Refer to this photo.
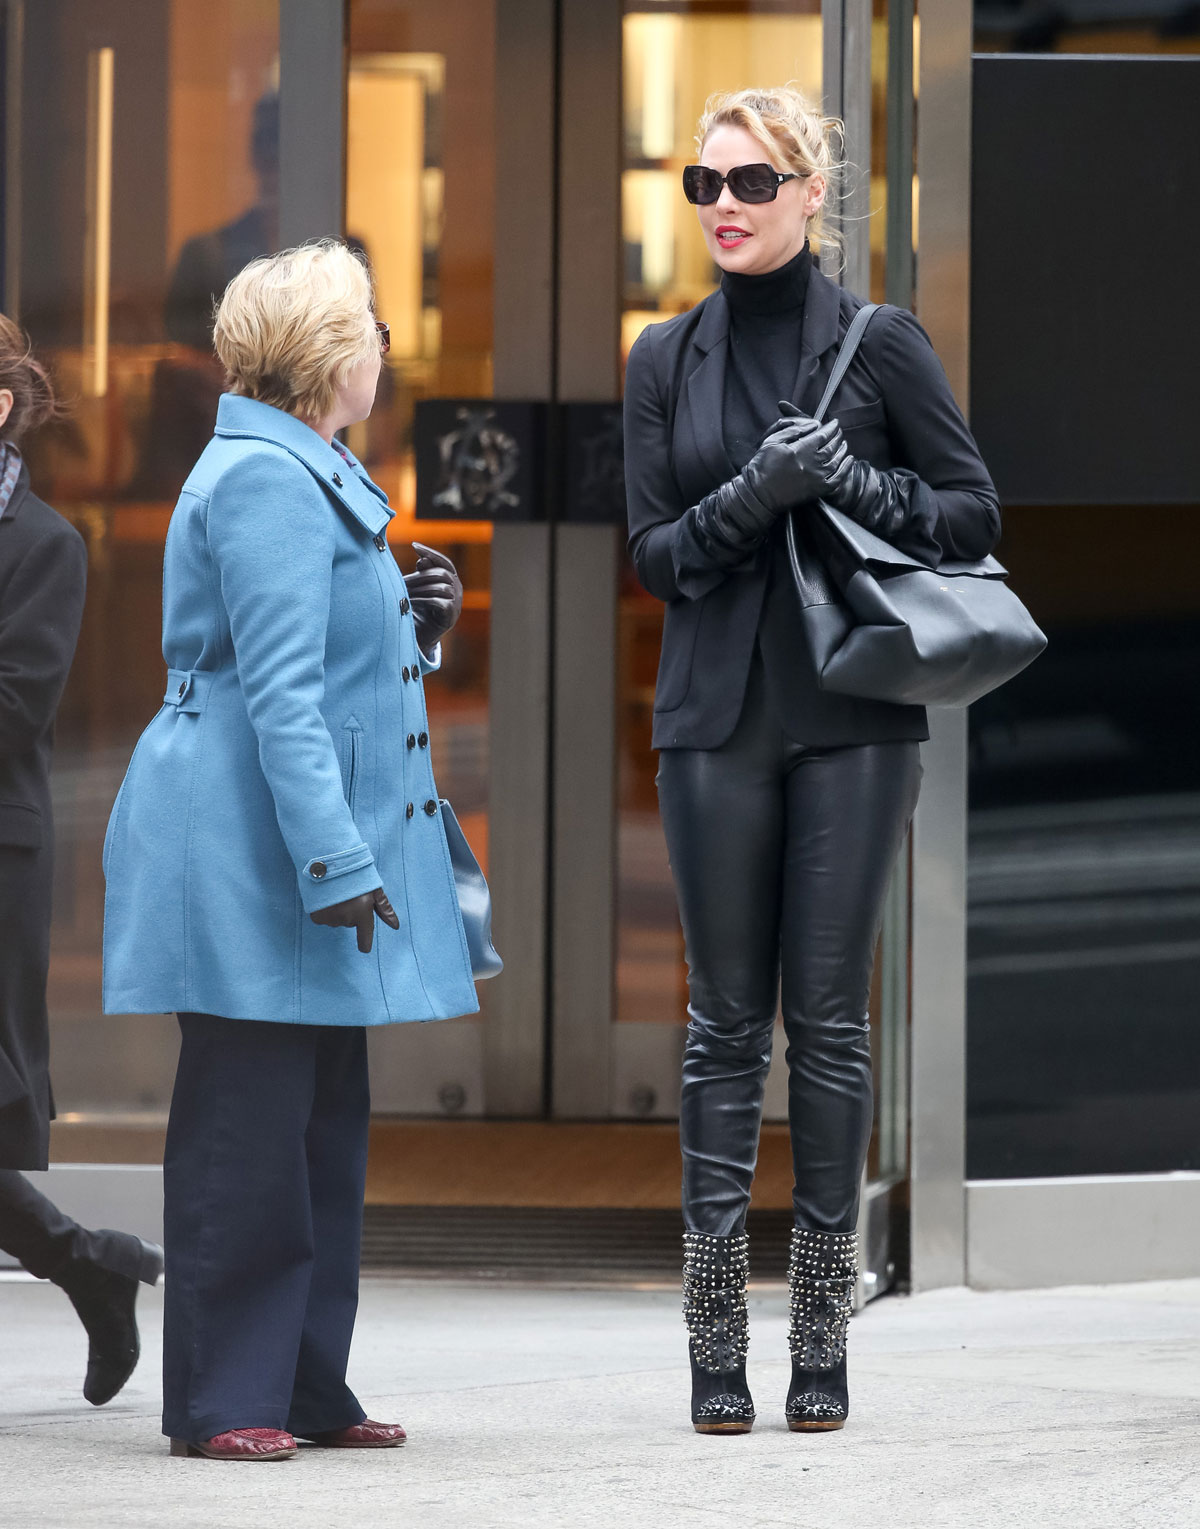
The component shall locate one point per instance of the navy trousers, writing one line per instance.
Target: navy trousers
(263, 1183)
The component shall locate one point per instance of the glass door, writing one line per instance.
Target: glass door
(160, 123)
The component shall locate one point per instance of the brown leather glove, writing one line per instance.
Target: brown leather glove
(359, 913)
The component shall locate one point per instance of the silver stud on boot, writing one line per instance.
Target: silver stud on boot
(715, 1270)
(821, 1279)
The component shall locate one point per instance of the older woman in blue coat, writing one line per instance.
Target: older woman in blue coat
(279, 804)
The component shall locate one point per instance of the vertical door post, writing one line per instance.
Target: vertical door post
(938, 1075)
(312, 119)
(514, 1031)
(587, 564)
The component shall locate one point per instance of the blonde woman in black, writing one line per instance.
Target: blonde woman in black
(784, 807)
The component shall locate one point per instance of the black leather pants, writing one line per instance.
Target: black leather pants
(781, 856)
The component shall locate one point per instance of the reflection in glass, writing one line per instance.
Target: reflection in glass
(165, 152)
(1083, 1047)
(420, 177)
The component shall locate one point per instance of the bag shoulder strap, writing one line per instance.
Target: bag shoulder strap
(841, 365)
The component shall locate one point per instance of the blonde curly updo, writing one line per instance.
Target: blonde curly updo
(795, 134)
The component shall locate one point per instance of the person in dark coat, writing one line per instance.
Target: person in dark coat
(42, 573)
(784, 807)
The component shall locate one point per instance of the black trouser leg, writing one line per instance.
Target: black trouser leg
(336, 1150)
(34, 1231)
(252, 1308)
(723, 817)
(46, 1242)
(847, 813)
(776, 846)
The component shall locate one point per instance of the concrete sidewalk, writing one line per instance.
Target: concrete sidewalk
(567, 1408)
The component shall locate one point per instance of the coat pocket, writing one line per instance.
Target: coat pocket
(680, 626)
(351, 760)
(20, 825)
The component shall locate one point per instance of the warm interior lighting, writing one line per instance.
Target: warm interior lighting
(97, 258)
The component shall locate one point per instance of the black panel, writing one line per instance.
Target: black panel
(480, 459)
(1085, 302)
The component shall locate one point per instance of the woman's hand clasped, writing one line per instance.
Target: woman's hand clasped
(358, 913)
(436, 593)
(798, 459)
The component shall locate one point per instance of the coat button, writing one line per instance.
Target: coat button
(430, 807)
(380, 544)
(337, 478)
(182, 686)
(317, 869)
(404, 674)
(412, 740)
(405, 607)
(423, 740)
(408, 811)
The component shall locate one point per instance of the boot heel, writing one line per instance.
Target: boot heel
(180, 1448)
(150, 1267)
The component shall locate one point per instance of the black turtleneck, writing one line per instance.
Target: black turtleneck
(766, 314)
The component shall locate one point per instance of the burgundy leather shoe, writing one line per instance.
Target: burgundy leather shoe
(240, 1444)
(365, 1435)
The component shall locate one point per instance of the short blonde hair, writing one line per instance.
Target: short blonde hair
(290, 327)
(792, 130)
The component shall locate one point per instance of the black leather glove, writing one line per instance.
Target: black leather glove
(436, 593)
(892, 502)
(359, 913)
(793, 464)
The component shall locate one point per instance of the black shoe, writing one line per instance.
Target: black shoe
(715, 1270)
(821, 1277)
(103, 1290)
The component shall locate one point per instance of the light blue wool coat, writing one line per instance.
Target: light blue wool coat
(289, 766)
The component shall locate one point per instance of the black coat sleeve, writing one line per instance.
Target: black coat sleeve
(670, 562)
(930, 437)
(41, 608)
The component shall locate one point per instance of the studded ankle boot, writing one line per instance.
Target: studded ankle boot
(714, 1307)
(821, 1278)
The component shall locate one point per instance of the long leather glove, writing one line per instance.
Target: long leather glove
(358, 913)
(793, 464)
(893, 502)
(436, 592)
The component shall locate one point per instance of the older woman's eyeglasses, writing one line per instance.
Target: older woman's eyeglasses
(749, 183)
(385, 336)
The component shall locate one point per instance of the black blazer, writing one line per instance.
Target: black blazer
(896, 410)
(42, 572)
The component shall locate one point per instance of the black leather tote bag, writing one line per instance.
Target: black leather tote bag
(881, 625)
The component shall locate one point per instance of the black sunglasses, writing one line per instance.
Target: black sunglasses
(749, 183)
(385, 336)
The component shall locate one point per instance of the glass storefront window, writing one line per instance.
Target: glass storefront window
(1090, 26)
(1083, 1051)
(161, 123)
(420, 188)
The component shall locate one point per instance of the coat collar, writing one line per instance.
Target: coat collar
(21, 492)
(706, 380)
(248, 418)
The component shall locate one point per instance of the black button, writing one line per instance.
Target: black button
(405, 607)
(430, 807)
(408, 811)
(423, 740)
(404, 674)
(317, 869)
(337, 479)
(380, 544)
(182, 686)
(412, 740)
